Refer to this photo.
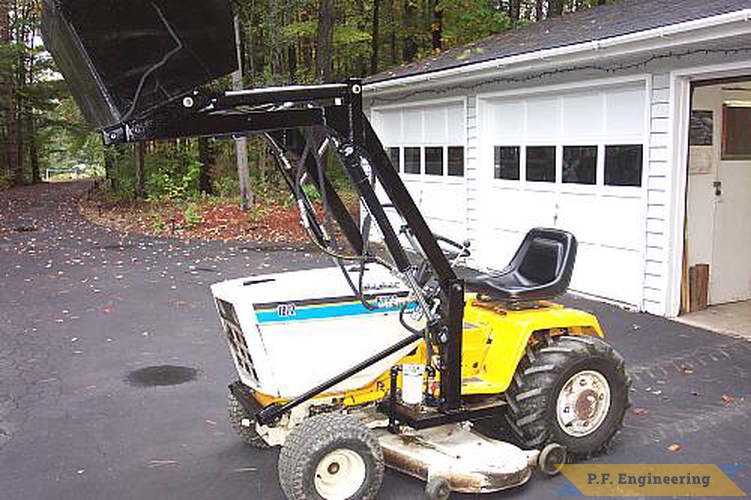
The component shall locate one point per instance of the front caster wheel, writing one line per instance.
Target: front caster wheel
(552, 456)
(331, 457)
(438, 489)
(243, 425)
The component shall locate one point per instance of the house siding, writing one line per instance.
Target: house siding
(658, 170)
(472, 172)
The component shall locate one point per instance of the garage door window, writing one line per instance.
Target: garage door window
(580, 164)
(456, 161)
(507, 162)
(412, 161)
(434, 161)
(541, 163)
(396, 158)
(623, 165)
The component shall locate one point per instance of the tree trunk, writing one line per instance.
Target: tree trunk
(109, 166)
(36, 178)
(206, 158)
(436, 29)
(539, 10)
(392, 37)
(9, 100)
(140, 164)
(325, 45)
(514, 11)
(241, 143)
(409, 49)
(555, 8)
(375, 33)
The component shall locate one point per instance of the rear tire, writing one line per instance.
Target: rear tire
(331, 456)
(574, 392)
(237, 417)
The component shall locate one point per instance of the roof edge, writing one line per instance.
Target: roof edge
(574, 50)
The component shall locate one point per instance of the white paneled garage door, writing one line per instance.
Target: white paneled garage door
(427, 144)
(572, 160)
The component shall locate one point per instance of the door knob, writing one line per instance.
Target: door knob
(717, 188)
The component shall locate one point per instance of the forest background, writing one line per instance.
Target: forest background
(42, 134)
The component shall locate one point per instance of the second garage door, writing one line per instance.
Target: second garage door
(572, 160)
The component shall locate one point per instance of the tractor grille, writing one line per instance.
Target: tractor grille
(236, 339)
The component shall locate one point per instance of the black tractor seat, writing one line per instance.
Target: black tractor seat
(540, 270)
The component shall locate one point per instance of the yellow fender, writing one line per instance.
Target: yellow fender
(496, 339)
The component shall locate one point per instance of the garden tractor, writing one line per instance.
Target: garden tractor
(396, 355)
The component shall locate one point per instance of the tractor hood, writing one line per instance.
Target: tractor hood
(124, 58)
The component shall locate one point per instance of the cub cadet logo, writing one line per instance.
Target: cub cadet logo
(387, 301)
(286, 310)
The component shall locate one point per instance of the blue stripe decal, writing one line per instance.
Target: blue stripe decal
(326, 312)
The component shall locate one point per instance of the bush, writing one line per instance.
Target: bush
(6, 180)
(167, 180)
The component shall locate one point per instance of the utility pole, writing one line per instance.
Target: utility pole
(241, 143)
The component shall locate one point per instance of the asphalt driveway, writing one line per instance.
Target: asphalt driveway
(82, 308)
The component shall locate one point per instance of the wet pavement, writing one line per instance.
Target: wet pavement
(113, 369)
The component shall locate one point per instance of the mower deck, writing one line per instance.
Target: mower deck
(467, 460)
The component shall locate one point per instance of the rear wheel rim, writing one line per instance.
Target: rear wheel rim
(583, 403)
(340, 474)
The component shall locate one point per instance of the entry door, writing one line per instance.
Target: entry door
(730, 278)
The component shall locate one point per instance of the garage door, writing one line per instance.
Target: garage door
(574, 161)
(427, 145)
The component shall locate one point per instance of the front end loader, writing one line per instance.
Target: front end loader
(396, 355)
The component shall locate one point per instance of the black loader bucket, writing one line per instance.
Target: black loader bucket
(124, 58)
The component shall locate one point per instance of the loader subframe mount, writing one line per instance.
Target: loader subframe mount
(281, 114)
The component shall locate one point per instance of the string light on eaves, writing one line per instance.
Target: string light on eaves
(643, 63)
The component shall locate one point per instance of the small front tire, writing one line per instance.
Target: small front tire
(438, 488)
(331, 456)
(243, 425)
(551, 458)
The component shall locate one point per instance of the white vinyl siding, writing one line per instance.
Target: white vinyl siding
(657, 211)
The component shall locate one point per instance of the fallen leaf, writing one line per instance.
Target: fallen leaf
(687, 369)
(640, 411)
(675, 447)
(161, 463)
(727, 400)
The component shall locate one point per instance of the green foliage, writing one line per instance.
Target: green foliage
(311, 192)
(172, 179)
(5, 180)
(158, 225)
(466, 21)
(192, 217)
